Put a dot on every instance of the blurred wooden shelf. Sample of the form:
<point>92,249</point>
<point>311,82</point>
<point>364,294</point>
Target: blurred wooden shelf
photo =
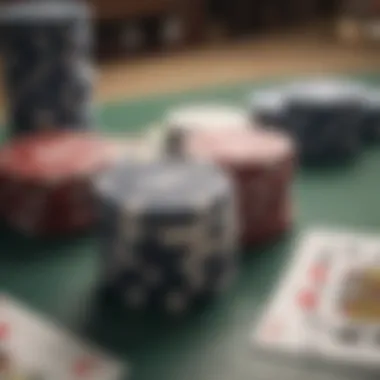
<point>121,9</point>
<point>192,13</point>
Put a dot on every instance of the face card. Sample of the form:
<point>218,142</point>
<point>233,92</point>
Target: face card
<point>355,284</point>
<point>34,348</point>
<point>351,308</point>
<point>327,305</point>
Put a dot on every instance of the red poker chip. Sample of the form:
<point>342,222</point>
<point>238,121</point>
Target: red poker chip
<point>261,165</point>
<point>54,156</point>
<point>271,230</point>
<point>242,148</point>
<point>46,180</point>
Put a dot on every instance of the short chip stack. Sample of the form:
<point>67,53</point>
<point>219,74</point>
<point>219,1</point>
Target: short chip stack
<point>195,118</point>
<point>326,121</point>
<point>208,117</point>
<point>47,65</point>
<point>46,181</point>
<point>261,164</point>
<point>168,233</point>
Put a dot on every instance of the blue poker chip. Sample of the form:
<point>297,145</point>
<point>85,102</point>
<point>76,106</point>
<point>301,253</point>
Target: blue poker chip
<point>175,224</point>
<point>166,187</point>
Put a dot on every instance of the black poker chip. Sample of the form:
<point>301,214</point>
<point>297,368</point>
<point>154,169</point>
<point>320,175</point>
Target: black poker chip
<point>325,120</point>
<point>329,120</point>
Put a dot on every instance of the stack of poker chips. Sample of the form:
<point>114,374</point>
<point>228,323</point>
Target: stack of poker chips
<point>208,117</point>
<point>47,61</point>
<point>46,179</point>
<point>327,119</point>
<point>261,165</point>
<point>167,233</point>
<point>186,119</point>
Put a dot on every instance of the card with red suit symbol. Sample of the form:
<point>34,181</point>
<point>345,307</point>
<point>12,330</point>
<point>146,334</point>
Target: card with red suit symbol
<point>326,306</point>
<point>32,347</point>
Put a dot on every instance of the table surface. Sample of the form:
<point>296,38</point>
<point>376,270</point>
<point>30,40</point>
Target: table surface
<point>59,277</point>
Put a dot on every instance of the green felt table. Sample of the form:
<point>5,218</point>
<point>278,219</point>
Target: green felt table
<point>59,277</point>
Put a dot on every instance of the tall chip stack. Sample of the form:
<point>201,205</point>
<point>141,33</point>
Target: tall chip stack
<point>47,65</point>
<point>167,233</point>
<point>261,165</point>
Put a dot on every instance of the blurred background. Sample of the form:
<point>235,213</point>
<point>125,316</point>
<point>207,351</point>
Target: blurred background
<point>150,46</point>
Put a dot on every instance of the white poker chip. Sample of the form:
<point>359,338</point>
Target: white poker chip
<point>207,117</point>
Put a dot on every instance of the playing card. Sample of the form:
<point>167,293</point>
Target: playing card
<point>288,322</point>
<point>351,308</point>
<point>33,347</point>
<point>327,306</point>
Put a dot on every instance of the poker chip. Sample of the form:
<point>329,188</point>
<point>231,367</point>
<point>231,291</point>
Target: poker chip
<point>325,118</point>
<point>46,180</point>
<point>182,121</point>
<point>167,232</point>
<point>47,65</point>
<point>261,165</point>
<point>328,118</point>
<point>208,117</point>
